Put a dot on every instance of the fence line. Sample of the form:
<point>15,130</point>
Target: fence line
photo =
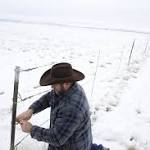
<point>93,83</point>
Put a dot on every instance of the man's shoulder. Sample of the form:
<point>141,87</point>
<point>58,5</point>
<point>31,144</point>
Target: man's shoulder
<point>78,90</point>
<point>77,98</point>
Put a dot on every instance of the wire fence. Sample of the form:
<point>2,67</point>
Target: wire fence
<point>17,96</point>
<point>14,146</point>
<point>20,100</point>
<point>18,143</point>
<point>39,93</point>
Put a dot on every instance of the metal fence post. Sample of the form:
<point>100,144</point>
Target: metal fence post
<point>14,107</point>
<point>131,52</point>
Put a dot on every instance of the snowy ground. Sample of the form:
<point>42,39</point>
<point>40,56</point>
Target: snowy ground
<point>117,92</point>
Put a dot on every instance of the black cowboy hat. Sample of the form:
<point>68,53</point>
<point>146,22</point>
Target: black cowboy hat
<point>60,73</point>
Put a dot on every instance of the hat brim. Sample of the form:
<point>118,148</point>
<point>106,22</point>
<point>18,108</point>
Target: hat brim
<point>46,78</point>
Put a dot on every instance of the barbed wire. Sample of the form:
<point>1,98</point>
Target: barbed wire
<point>33,68</point>
<point>29,97</point>
<point>16,145</point>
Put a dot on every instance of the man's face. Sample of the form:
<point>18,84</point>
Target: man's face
<point>61,87</point>
<point>57,87</point>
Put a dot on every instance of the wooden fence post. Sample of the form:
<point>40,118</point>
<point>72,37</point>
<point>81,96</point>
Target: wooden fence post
<point>14,107</point>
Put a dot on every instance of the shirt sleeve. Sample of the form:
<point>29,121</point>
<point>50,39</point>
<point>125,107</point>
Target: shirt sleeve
<point>65,124</point>
<point>43,103</point>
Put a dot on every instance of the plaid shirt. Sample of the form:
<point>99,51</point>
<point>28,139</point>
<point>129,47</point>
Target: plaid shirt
<point>70,124</point>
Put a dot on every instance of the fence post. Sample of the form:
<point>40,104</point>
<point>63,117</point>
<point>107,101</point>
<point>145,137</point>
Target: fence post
<point>14,107</point>
<point>97,63</point>
<point>131,52</point>
<point>146,46</point>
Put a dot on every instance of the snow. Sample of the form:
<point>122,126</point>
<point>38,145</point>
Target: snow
<point>129,124</point>
<point>120,99</point>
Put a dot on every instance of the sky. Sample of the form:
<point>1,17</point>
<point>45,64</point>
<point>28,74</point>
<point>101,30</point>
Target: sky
<point>76,7</point>
<point>136,11</point>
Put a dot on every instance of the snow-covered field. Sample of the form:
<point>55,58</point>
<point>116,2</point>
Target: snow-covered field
<point>118,93</point>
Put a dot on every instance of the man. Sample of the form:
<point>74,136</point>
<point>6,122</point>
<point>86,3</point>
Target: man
<point>70,124</point>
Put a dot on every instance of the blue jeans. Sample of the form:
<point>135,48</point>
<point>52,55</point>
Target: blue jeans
<point>98,147</point>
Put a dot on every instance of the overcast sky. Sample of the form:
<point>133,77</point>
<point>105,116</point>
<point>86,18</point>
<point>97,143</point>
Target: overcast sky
<point>138,10</point>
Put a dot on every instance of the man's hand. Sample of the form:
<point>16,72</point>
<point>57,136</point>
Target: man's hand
<point>26,126</point>
<point>25,116</point>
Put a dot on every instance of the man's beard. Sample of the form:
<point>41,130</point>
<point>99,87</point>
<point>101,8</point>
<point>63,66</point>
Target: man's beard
<point>62,90</point>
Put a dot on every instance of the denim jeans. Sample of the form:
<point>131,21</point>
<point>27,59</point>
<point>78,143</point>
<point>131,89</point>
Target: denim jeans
<point>98,147</point>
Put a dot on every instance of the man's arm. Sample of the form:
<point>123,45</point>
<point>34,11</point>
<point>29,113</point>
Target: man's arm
<point>26,115</point>
<point>37,106</point>
<point>66,123</point>
<point>43,103</point>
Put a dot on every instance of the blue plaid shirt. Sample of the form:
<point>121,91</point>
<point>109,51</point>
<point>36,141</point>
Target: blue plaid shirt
<point>70,124</point>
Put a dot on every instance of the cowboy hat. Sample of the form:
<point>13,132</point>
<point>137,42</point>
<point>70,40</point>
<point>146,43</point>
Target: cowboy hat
<point>60,73</point>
